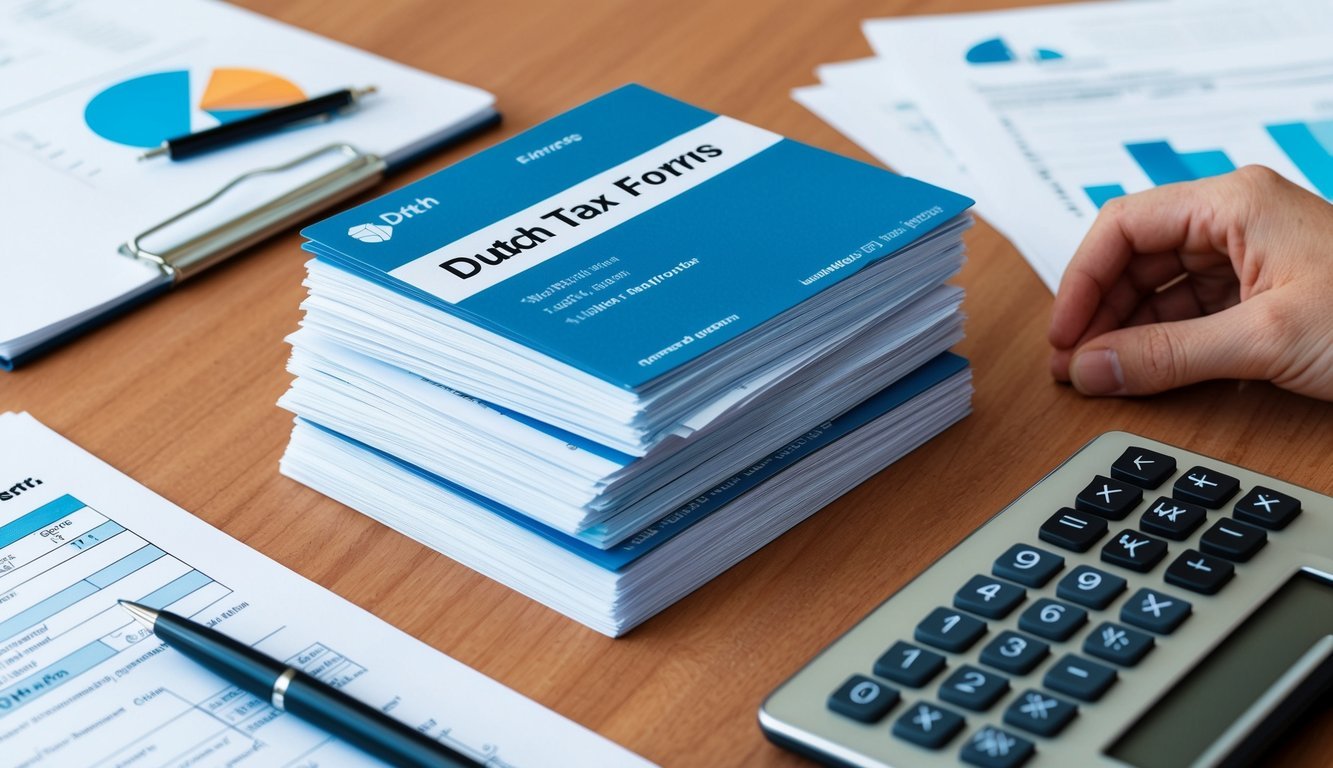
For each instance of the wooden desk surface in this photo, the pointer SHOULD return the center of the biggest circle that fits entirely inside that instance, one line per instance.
(181, 394)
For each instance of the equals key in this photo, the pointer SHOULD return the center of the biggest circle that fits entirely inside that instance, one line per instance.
(1073, 530)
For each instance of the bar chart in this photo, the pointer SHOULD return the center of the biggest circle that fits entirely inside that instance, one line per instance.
(1310, 147)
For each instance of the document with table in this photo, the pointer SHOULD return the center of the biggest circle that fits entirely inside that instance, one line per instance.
(86, 87)
(82, 684)
(1044, 114)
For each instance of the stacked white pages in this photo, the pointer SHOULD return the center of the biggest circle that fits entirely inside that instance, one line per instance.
(1044, 114)
(607, 359)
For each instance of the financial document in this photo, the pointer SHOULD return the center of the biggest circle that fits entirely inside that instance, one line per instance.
(82, 684)
(87, 85)
(1044, 114)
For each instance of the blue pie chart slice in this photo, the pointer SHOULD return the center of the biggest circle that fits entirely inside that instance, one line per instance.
(144, 111)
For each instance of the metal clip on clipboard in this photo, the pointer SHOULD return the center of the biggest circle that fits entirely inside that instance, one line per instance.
(185, 259)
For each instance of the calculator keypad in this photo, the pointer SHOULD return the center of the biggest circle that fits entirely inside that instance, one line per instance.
(1198, 572)
(1205, 486)
(1072, 613)
(972, 688)
(927, 725)
(1142, 467)
(1051, 619)
(1040, 713)
(1233, 540)
(1073, 530)
(1109, 498)
(989, 597)
(1029, 566)
(1267, 508)
(909, 665)
(948, 630)
(861, 698)
(1156, 612)
(1135, 551)
(1117, 644)
(1074, 676)
(1090, 587)
(991, 747)
(1172, 518)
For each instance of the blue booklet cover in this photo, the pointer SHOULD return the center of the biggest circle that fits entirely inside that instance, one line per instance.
(633, 234)
(713, 500)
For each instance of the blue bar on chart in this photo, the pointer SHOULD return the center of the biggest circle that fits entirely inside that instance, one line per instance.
(1164, 165)
(1101, 193)
(1310, 147)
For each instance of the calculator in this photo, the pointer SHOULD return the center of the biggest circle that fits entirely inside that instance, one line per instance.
(1140, 606)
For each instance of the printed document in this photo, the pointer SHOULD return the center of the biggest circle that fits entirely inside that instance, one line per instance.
(82, 684)
(86, 86)
(1044, 114)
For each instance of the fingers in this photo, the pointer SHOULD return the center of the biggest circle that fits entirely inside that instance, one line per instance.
(1140, 360)
(1137, 239)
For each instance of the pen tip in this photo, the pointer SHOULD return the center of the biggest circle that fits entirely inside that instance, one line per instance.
(152, 153)
(145, 615)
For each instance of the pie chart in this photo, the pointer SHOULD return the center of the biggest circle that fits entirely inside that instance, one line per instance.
(144, 111)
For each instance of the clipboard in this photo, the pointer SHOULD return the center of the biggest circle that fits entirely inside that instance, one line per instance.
(183, 260)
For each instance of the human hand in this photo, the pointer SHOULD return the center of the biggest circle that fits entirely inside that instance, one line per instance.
(1225, 278)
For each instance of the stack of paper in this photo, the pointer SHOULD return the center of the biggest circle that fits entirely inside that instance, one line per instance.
(610, 357)
(84, 684)
(1044, 114)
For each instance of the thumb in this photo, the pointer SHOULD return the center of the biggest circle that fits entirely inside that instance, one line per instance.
(1144, 359)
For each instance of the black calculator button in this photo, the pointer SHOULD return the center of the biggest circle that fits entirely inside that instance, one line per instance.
(1172, 518)
(1142, 467)
(861, 698)
(1198, 572)
(972, 688)
(1266, 507)
(1026, 565)
(991, 747)
(1109, 498)
(1072, 529)
(1013, 653)
(927, 725)
(909, 665)
(1040, 713)
(1205, 486)
(1075, 676)
(1154, 611)
(1133, 550)
(1090, 587)
(1052, 620)
(949, 630)
(1121, 645)
(1233, 540)
(989, 597)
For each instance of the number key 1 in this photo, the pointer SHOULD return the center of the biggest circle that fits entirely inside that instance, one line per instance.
(909, 665)
(949, 630)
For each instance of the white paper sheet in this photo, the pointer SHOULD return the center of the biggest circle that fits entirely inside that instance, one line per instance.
(86, 85)
(82, 684)
(1041, 105)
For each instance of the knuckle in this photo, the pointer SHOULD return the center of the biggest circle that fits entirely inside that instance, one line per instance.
(1161, 357)
(1259, 178)
(1113, 209)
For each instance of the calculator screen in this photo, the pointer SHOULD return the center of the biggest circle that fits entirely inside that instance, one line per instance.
(1193, 715)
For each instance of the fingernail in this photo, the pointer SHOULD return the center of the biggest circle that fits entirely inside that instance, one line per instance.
(1097, 372)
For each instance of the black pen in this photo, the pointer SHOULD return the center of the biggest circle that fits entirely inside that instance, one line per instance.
(255, 126)
(291, 690)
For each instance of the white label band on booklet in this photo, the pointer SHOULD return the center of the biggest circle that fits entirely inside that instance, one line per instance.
(587, 209)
